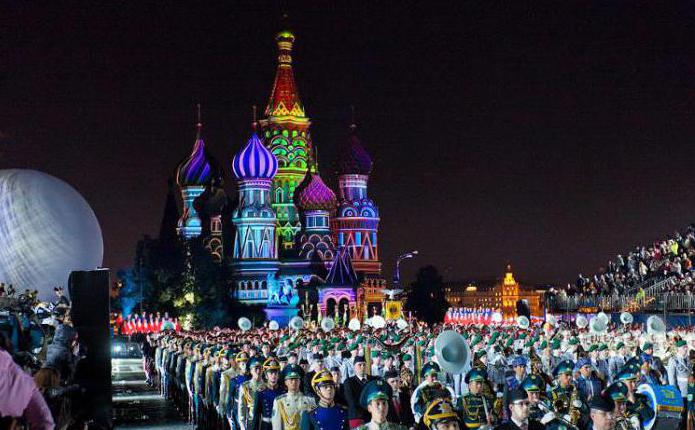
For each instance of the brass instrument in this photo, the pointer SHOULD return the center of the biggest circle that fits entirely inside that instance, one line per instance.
(574, 411)
(558, 415)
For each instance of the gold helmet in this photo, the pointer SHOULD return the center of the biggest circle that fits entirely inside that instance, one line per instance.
(320, 378)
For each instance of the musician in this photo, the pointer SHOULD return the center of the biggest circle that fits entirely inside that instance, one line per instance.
(399, 407)
(327, 415)
(428, 390)
(514, 380)
(637, 406)
(352, 388)
(564, 396)
(265, 397)
(229, 388)
(678, 371)
(647, 373)
(288, 407)
(440, 415)
(616, 362)
(519, 413)
(534, 386)
(587, 384)
(246, 412)
(476, 410)
(602, 409)
(376, 397)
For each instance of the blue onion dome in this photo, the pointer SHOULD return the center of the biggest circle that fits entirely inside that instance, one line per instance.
(254, 161)
(312, 194)
(199, 168)
(354, 159)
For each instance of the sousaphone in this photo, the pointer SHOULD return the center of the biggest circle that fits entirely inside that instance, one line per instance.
(452, 352)
(244, 324)
(296, 323)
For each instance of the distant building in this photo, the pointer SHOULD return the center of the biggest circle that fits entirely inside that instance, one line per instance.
(494, 294)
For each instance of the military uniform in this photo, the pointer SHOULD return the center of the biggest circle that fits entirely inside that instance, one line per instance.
(384, 426)
(474, 409)
(325, 418)
(246, 402)
(288, 408)
(426, 392)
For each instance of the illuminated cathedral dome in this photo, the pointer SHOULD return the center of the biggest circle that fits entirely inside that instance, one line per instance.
(254, 161)
(313, 195)
(198, 168)
(354, 159)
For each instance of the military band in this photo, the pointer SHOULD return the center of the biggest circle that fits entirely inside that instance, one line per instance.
(338, 383)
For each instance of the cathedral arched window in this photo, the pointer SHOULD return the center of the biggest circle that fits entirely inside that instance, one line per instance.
(278, 195)
(264, 285)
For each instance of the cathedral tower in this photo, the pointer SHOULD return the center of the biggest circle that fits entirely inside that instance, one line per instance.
(357, 221)
(286, 134)
(317, 203)
(193, 174)
(255, 258)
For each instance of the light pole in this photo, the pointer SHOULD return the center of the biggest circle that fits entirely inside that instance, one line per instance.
(397, 274)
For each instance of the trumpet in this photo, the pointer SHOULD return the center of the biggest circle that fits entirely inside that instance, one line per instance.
(542, 406)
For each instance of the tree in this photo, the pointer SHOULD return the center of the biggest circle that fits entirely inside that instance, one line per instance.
(426, 297)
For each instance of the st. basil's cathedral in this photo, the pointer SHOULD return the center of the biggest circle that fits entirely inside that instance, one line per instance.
(296, 243)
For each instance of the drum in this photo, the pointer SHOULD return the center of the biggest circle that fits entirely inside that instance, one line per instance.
(667, 403)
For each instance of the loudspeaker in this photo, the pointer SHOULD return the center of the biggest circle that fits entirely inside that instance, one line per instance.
(90, 312)
(522, 308)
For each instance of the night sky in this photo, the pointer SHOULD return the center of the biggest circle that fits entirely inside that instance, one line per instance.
(552, 137)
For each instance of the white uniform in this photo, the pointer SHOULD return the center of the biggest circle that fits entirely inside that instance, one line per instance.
(288, 408)
(678, 370)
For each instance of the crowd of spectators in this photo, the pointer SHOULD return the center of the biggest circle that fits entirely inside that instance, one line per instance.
(39, 357)
(669, 258)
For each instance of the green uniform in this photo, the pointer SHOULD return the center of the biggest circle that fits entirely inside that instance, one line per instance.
(474, 410)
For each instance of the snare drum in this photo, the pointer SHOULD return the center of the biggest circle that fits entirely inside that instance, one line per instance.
(667, 403)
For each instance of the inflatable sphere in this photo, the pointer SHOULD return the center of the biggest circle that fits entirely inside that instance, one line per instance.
(47, 230)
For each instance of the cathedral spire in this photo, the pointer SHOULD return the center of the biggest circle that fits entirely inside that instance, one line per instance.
(284, 100)
(199, 124)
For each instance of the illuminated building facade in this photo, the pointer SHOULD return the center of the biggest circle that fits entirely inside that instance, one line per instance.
(291, 228)
(499, 295)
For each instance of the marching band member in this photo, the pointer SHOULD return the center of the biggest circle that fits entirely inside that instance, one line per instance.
(265, 397)
(246, 399)
(476, 410)
(678, 371)
(288, 407)
(440, 415)
(376, 397)
(352, 388)
(327, 415)
(428, 390)
(586, 382)
(519, 413)
(602, 408)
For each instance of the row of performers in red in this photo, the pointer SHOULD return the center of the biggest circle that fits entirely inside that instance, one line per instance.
(143, 324)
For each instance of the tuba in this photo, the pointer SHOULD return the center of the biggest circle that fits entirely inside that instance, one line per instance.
(582, 322)
(523, 322)
(244, 324)
(354, 324)
(296, 323)
(655, 325)
(626, 318)
(327, 324)
(452, 352)
(273, 325)
(598, 325)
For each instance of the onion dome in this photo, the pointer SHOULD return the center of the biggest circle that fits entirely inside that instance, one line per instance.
(354, 159)
(198, 168)
(313, 195)
(254, 161)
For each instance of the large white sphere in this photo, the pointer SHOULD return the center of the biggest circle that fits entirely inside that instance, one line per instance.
(47, 230)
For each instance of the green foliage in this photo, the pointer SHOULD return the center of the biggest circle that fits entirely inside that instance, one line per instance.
(426, 297)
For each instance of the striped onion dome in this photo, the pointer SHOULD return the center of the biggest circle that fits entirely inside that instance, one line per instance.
(313, 195)
(198, 168)
(254, 161)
